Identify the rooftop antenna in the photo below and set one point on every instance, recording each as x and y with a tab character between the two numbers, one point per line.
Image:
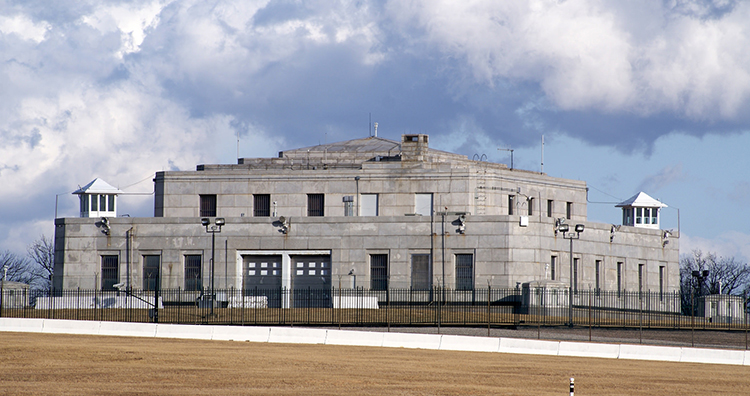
369	125
238	143
542	154
376	129
511	156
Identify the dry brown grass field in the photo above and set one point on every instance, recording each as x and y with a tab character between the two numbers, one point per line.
43	364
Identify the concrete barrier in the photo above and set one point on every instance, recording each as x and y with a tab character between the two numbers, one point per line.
184	331
21	325
241	333
355	302
126	329
648	352
582	349
353	337
471	344
292	335
407	340
61	326
533	347
713	356
746	362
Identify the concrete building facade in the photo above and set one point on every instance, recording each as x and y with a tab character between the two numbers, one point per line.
371	213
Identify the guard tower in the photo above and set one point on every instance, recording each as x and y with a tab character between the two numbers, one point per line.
98	199
641	210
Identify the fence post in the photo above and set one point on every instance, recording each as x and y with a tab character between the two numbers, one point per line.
489	289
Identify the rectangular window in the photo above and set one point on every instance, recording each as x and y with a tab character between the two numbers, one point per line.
553	267
575	275
94	202
511	203
640	278
369	205
378	272
103	203
569	210
598	283
151	272
619	277
208	205
423	204
638	215
550	207
315	205
661	282
464	272
627	216
110	272
193	272
261	205
421	272
348	205
530	203
111	199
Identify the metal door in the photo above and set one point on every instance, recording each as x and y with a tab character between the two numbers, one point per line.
311	277
263	278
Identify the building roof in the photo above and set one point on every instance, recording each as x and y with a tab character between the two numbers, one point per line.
372	144
97	186
641	200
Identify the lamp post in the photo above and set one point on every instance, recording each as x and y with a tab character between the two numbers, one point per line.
565	229
700	277
213	229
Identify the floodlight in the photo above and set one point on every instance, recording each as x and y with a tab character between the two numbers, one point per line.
205	221
579	228
220	221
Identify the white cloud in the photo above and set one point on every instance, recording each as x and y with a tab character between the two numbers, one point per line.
596	54
665	176
730	244
131	21
24	27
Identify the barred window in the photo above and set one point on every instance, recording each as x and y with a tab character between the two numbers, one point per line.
208	205
421	272
261	205
151	272
464	272
110	272
550	207
193	272
378	271
315	204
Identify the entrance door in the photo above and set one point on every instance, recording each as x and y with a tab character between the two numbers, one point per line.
263	278
311	276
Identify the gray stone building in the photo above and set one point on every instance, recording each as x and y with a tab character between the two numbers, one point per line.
371	213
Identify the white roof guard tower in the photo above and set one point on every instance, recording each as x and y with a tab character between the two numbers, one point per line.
641	210
98	199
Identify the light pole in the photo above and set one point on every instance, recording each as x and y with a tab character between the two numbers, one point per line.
213	229
564	228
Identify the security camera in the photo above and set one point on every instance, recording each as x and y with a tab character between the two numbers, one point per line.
119	286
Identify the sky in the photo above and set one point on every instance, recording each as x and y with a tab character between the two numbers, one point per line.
642	95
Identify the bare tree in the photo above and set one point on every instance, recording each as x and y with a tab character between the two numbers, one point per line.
725	276
15	268
41	252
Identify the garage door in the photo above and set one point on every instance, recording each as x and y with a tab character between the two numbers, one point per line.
263	278
311	281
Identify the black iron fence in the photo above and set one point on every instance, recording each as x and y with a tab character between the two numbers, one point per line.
396	307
